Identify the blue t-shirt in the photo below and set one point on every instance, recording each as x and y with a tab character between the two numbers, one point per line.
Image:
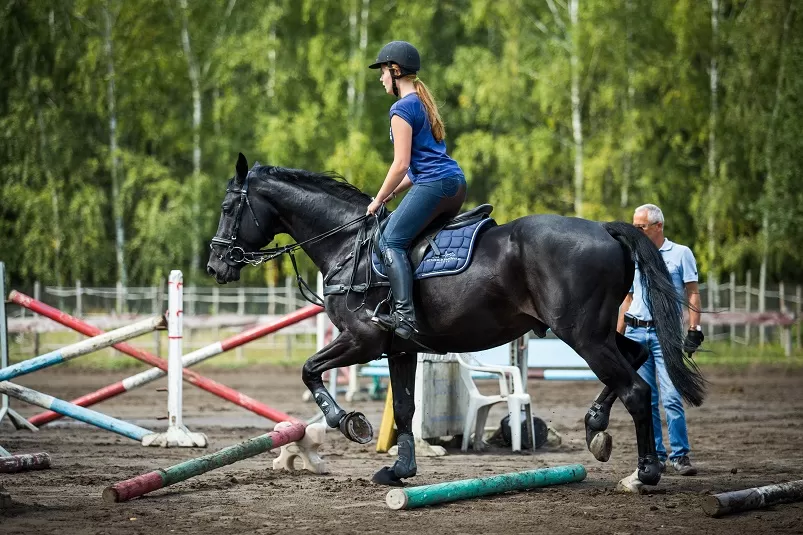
428	158
682	268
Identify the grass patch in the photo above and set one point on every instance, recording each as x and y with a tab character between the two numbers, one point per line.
740	356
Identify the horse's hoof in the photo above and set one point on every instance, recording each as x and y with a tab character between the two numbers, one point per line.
649	471
386	476
601	446
355	426
631	484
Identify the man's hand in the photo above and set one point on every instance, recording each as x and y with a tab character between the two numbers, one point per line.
693	341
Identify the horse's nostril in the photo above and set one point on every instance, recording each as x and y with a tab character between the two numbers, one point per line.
210	271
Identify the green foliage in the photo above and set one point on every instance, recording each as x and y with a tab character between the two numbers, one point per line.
285	83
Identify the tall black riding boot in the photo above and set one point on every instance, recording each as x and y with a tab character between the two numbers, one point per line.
400	273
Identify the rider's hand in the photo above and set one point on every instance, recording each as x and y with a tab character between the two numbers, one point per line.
693	341
374	207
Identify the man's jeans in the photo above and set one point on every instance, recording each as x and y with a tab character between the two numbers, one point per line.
673	404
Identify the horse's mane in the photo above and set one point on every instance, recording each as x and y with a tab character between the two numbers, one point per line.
328	182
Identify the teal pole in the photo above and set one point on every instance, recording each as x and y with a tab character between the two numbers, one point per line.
452	491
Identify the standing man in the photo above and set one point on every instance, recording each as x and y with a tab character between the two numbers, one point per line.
635	315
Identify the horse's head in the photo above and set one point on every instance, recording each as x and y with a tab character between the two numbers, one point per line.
248	223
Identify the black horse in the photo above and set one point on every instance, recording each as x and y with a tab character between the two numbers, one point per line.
534	273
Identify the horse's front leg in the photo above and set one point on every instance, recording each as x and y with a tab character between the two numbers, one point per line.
402	382
344	350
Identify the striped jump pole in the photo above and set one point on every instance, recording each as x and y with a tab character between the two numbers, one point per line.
73	411
81	348
739	501
160	370
11	464
158	479
452	491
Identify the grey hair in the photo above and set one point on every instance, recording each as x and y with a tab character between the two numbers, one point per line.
654	214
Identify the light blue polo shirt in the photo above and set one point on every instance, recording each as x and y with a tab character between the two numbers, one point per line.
682	268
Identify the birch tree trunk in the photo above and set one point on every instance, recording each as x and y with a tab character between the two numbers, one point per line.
195	84
577	125
270	86
114	162
363	48
627	164
712	130
55	204
769	148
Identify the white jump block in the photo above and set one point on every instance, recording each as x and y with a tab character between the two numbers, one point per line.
176	437
305	449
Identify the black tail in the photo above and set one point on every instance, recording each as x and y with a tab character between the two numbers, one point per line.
665	304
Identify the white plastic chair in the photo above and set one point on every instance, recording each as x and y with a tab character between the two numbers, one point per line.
479	404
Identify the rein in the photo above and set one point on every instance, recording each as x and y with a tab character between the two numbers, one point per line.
235	254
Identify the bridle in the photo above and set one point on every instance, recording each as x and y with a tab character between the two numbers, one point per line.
234	255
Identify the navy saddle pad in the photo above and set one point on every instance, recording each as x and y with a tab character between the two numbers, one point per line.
449	253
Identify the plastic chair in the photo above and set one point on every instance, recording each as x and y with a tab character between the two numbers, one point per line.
479	404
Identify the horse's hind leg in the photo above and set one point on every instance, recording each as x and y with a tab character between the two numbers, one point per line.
402	383
599	441
609	364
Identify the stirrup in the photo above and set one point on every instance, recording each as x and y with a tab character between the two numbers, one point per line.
383	321
394	322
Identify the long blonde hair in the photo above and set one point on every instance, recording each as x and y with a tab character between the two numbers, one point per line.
438	129
435	121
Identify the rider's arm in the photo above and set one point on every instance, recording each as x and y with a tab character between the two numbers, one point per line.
403	186
693	295
402	146
620	324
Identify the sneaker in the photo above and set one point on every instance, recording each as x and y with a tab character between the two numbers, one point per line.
682	466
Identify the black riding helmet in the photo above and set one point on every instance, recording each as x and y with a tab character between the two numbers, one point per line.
402	54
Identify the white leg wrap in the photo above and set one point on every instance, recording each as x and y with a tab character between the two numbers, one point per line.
631	484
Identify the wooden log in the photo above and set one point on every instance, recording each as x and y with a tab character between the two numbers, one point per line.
739	501
24	462
451	491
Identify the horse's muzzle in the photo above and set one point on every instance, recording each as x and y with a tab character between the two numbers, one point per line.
222	272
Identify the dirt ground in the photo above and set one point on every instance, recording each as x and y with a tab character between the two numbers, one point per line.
749	433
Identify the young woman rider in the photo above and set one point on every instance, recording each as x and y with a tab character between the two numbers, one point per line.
420	163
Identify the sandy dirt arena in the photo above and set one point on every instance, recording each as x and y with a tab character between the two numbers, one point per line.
748	433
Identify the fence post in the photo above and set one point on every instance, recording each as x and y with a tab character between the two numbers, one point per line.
79	312
709	291
797	313
748	304
156	308
733	305
289	298
762	295
786	330
240	312
37	294
119	304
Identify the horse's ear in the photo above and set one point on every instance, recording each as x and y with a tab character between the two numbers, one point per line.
241	167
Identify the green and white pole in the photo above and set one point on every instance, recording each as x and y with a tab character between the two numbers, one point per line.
452	491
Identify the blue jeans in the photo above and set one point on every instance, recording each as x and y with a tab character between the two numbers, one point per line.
422	204
673	404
